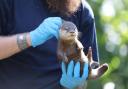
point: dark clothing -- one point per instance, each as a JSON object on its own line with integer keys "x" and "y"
{"x": 38, "y": 68}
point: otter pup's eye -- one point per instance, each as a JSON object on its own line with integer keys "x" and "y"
{"x": 66, "y": 28}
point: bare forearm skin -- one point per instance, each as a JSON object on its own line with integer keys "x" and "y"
{"x": 9, "y": 47}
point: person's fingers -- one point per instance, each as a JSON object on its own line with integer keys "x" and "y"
{"x": 56, "y": 20}
{"x": 77, "y": 70}
{"x": 70, "y": 68}
{"x": 85, "y": 71}
{"x": 63, "y": 68}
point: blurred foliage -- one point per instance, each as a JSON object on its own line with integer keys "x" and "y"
{"x": 111, "y": 18}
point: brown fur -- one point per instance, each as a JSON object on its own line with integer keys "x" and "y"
{"x": 70, "y": 48}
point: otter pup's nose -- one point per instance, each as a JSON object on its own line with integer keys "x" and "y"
{"x": 71, "y": 30}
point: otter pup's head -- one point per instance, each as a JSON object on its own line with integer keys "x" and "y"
{"x": 68, "y": 31}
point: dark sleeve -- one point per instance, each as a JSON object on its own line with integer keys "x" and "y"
{"x": 0, "y": 17}
{"x": 0, "y": 26}
{"x": 5, "y": 6}
{"x": 88, "y": 30}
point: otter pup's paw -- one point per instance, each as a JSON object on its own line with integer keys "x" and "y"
{"x": 98, "y": 72}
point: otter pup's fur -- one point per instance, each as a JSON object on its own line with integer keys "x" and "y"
{"x": 70, "y": 48}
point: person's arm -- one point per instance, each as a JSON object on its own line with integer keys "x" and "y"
{"x": 9, "y": 46}
{"x": 88, "y": 29}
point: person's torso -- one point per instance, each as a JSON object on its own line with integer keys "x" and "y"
{"x": 33, "y": 68}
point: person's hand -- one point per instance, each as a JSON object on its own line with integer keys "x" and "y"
{"x": 71, "y": 78}
{"x": 46, "y": 30}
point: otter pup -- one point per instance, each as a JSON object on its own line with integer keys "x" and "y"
{"x": 70, "y": 48}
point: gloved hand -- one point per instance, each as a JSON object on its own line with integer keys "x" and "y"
{"x": 71, "y": 79}
{"x": 46, "y": 30}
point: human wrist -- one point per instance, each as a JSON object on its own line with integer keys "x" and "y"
{"x": 28, "y": 39}
{"x": 23, "y": 41}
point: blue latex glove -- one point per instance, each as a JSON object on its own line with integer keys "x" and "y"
{"x": 46, "y": 30}
{"x": 71, "y": 79}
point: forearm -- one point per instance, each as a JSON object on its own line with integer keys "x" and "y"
{"x": 9, "y": 46}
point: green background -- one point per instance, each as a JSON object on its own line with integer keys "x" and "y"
{"x": 111, "y": 17}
